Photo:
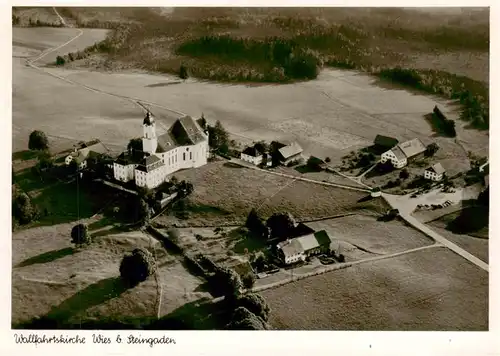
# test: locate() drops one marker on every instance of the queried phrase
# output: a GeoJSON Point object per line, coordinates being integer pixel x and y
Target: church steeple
{"type": "Point", "coordinates": [149, 140]}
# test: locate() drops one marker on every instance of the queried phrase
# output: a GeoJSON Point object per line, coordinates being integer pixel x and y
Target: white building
{"type": "Point", "coordinates": [84, 150]}
{"type": "Point", "coordinates": [183, 146]}
{"type": "Point", "coordinates": [252, 155]}
{"type": "Point", "coordinates": [400, 154]}
{"type": "Point", "coordinates": [435, 172]}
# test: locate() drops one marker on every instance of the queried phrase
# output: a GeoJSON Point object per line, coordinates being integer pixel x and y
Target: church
{"type": "Point", "coordinates": [184, 145]}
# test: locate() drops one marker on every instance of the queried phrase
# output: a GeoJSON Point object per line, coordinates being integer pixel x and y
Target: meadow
{"type": "Point", "coordinates": [428, 290]}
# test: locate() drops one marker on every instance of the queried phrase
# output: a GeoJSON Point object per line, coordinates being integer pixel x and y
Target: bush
{"type": "Point", "coordinates": [174, 234]}
{"type": "Point", "coordinates": [80, 235]}
{"type": "Point", "coordinates": [60, 61]}
{"type": "Point", "coordinates": [328, 160]}
{"type": "Point", "coordinates": [183, 72]}
{"type": "Point", "coordinates": [256, 304]}
{"type": "Point", "coordinates": [38, 141]}
{"type": "Point", "coordinates": [228, 282]}
{"type": "Point", "coordinates": [248, 280]}
{"type": "Point", "coordinates": [137, 266]}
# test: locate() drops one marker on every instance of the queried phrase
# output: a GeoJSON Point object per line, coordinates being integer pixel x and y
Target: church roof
{"type": "Point", "coordinates": [183, 132]}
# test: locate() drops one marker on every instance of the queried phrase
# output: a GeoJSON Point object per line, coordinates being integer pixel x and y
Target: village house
{"type": "Point", "coordinates": [298, 249]}
{"type": "Point", "coordinates": [290, 153]}
{"type": "Point", "coordinates": [184, 145]}
{"type": "Point", "coordinates": [85, 150]}
{"type": "Point", "coordinates": [400, 154]}
{"type": "Point", "coordinates": [252, 155]}
{"type": "Point", "coordinates": [434, 172]}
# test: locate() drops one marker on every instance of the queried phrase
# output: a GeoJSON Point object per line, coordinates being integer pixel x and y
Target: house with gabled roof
{"type": "Point", "coordinates": [252, 155]}
{"type": "Point", "coordinates": [289, 153]}
{"type": "Point", "coordinates": [84, 150]}
{"type": "Point", "coordinates": [298, 249]}
{"type": "Point", "coordinates": [400, 154]}
{"type": "Point", "coordinates": [435, 172]}
{"type": "Point", "coordinates": [183, 146]}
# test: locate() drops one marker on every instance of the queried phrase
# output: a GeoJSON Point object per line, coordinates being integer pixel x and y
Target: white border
{"type": "Point", "coordinates": [219, 342]}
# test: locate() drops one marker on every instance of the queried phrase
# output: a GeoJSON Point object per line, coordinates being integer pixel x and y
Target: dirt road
{"type": "Point", "coordinates": [397, 203]}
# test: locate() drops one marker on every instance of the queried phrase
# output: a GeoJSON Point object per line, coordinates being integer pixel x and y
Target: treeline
{"type": "Point", "coordinates": [473, 95]}
{"type": "Point", "coordinates": [16, 21]}
{"type": "Point", "coordinates": [285, 59]}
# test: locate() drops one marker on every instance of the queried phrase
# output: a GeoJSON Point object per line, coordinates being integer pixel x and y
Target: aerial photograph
{"type": "Point", "coordinates": [250, 168]}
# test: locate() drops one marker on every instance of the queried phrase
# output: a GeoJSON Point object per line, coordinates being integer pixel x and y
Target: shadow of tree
{"type": "Point", "coordinates": [24, 155]}
{"type": "Point", "coordinates": [94, 294]}
{"type": "Point", "coordinates": [47, 257]}
{"type": "Point", "coordinates": [232, 165]}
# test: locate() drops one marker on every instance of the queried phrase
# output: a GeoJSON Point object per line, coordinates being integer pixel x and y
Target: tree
{"type": "Point", "coordinates": [228, 282]}
{"type": "Point", "coordinates": [184, 188]}
{"type": "Point", "coordinates": [255, 224]}
{"type": "Point", "coordinates": [281, 225]}
{"type": "Point", "coordinates": [183, 72]}
{"type": "Point", "coordinates": [404, 174]}
{"type": "Point", "coordinates": [248, 280]}
{"type": "Point", "coordinates": [243, 319]}
{"type": "Point", "coordinates": [262, 147]}
{"type": "Point", "coordinates": [328, 160]}
{"type": "Point", "coordinates": [60, 61]}
{"type": "Point", "coordinates": [22, 209]}
{"type": "Point", "coordinates": [142, 212]}
{"type": "Point", "coordinates": [218, 136]}
{"type": "Point", "coordinates": [38, 141]}
{"type": "Point", "coordinates": [80, 235]}
{"type": "Point", "coordinates": [174, 234]}
{"type": "Point", "coordinates": [137, 266]}
{"type": "Point", "coordinates": [314, 163]}
{"type": "Point", "coordinates": [202, 122]}
{"type": "Point", "coordinates": [134, 148]}
{"type": "Point", "coordinates": [255, 304]}
{"type": "Point", "coordinates": [431, 149]}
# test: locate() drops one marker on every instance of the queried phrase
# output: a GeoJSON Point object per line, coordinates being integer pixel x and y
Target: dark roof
{"type": "Point", "coordinates": [148, 120]}
{"type": "Point", "coordinates": [385, 141]}
{"type": "Point", "coordinates": [323, 238]}
{"type": "Point", "coordinates": [125, 159]}
{"type": "Point", "coordinates": [251, 151]}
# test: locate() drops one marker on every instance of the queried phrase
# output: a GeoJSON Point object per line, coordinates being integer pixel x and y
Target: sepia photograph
{"type": "Point", "coordinates": [250, 168]}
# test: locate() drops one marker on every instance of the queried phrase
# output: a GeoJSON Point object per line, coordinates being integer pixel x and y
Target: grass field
{"type": "Point", "coordinates": [427, 290]}
{"type": "Point", "coordinates": [372, 235]}
{"type": "Point", "coordinates": [45, 279]}
{"type": "Point", "coordinates": [225, 193]}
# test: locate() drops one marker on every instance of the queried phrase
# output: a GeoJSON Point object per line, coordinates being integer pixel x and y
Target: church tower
{"type": "Point", "coordinates": [149, 139]}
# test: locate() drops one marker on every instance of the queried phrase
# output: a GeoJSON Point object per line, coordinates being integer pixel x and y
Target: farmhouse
{"type": "Point", "coordinates": [400, 154]}
{"type": "Point", "coordinates": [435, 172]}
{"type": "Point", "coordinates": [183, 146]}
{"type": "Point", "coordinates": [290, 153]}
{"type": "Point", "coordinates": [85, 150]}
{"type": "Point", "coordinates": [252, 155]}
{"type": "Point", "coordinates": [299, 248]}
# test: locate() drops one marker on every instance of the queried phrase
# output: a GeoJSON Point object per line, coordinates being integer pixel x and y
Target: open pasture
{"type": "Point", "coordinates": [428, 290]}
{"type": "Point", "coordinates": [46, 282]}
{"type": "Point", "coordinates": [373, 236]}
